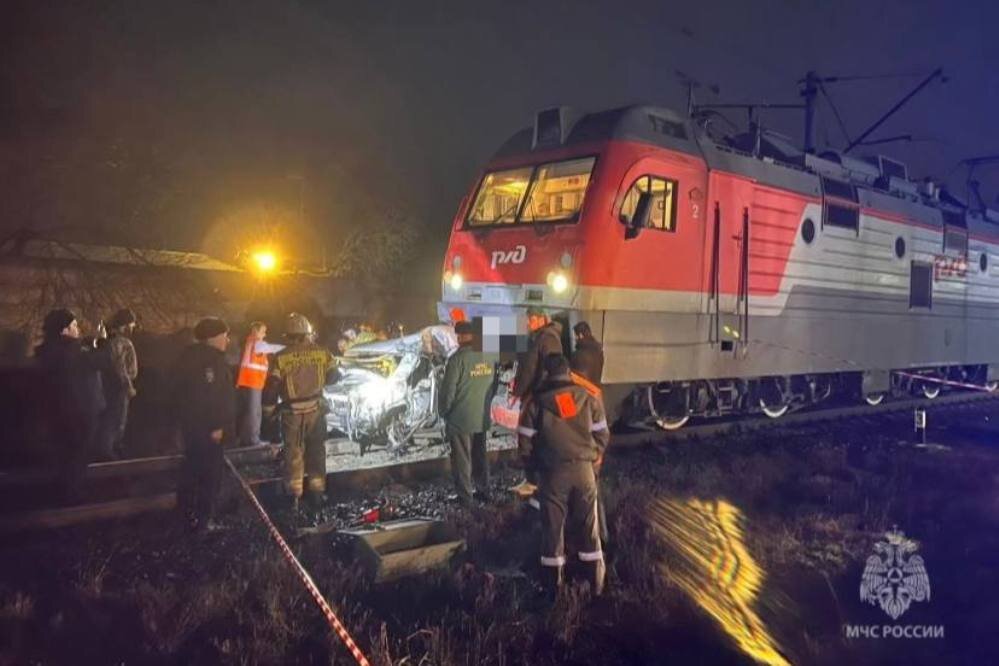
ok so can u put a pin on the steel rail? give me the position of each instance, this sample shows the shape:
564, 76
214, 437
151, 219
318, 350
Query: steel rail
797, 418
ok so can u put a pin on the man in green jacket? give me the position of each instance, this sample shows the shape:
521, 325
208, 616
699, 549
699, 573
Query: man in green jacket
464, 405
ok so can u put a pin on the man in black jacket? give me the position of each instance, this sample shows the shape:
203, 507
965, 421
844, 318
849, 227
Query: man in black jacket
564, 430
588, 359
77, 399
204, 399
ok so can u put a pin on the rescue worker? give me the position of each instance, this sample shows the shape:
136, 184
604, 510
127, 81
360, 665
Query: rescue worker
302, 368
73, 384
250, 382
204, 400
463, 403
564, 429
119, 384
545, 339
588, 359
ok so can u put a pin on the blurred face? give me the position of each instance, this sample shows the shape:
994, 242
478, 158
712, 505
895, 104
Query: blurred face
220, 341
260, 333
73, 330
534, 322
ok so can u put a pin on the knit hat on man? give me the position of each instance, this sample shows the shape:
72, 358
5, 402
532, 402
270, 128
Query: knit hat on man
209, 327
56, 321
123, 317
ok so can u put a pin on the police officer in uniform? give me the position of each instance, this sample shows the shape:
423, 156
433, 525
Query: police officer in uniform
205, 407
564, 429
302, 368
463, 403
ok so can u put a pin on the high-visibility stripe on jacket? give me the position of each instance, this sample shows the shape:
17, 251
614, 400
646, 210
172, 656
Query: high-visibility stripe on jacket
252, 366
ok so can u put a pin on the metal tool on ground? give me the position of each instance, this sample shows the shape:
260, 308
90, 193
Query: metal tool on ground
399, 548
300, 571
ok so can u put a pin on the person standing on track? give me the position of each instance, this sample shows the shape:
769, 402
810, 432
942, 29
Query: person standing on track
205, 401
250, 381
564, 429
302, 368
463, 403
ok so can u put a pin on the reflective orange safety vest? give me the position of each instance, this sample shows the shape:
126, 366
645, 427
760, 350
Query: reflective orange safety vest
252, 367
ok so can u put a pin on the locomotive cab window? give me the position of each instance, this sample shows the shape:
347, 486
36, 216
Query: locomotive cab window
551, 192
663, 204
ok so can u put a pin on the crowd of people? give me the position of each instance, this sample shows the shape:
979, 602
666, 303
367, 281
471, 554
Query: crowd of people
562, 432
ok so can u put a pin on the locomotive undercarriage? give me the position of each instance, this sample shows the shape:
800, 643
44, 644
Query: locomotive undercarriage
669, 405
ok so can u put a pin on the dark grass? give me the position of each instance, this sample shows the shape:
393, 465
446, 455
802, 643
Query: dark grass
814, 500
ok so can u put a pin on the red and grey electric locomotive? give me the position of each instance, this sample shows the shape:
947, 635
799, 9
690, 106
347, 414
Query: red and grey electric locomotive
735, 275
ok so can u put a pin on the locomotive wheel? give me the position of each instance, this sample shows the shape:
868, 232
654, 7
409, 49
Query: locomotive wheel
929, 390
774, 412
669, 409
874, 399
672, 423
773, 400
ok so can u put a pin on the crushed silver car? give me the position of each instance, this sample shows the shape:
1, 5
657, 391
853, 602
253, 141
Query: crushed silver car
386, 391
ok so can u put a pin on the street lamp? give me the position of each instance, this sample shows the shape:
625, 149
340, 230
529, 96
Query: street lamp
264, 261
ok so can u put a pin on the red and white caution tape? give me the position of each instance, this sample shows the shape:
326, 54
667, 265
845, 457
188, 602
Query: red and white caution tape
300, 571
945, 382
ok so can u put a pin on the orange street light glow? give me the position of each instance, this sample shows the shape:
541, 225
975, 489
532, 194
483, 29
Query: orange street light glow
265, 261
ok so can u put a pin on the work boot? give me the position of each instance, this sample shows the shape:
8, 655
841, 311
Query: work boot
314, 502
551, 581
596, 574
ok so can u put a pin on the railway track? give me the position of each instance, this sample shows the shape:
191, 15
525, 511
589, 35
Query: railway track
135, 477
807, 416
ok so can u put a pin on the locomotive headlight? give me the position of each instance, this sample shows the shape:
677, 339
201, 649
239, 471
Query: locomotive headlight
558, 281
455, 281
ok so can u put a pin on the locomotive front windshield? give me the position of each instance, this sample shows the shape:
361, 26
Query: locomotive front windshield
551, 192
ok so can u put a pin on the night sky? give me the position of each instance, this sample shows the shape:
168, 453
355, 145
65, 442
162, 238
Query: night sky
197, 124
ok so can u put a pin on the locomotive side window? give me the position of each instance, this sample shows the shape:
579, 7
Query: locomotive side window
842, 207
841, 216
955, 240
663, 216
921, 285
